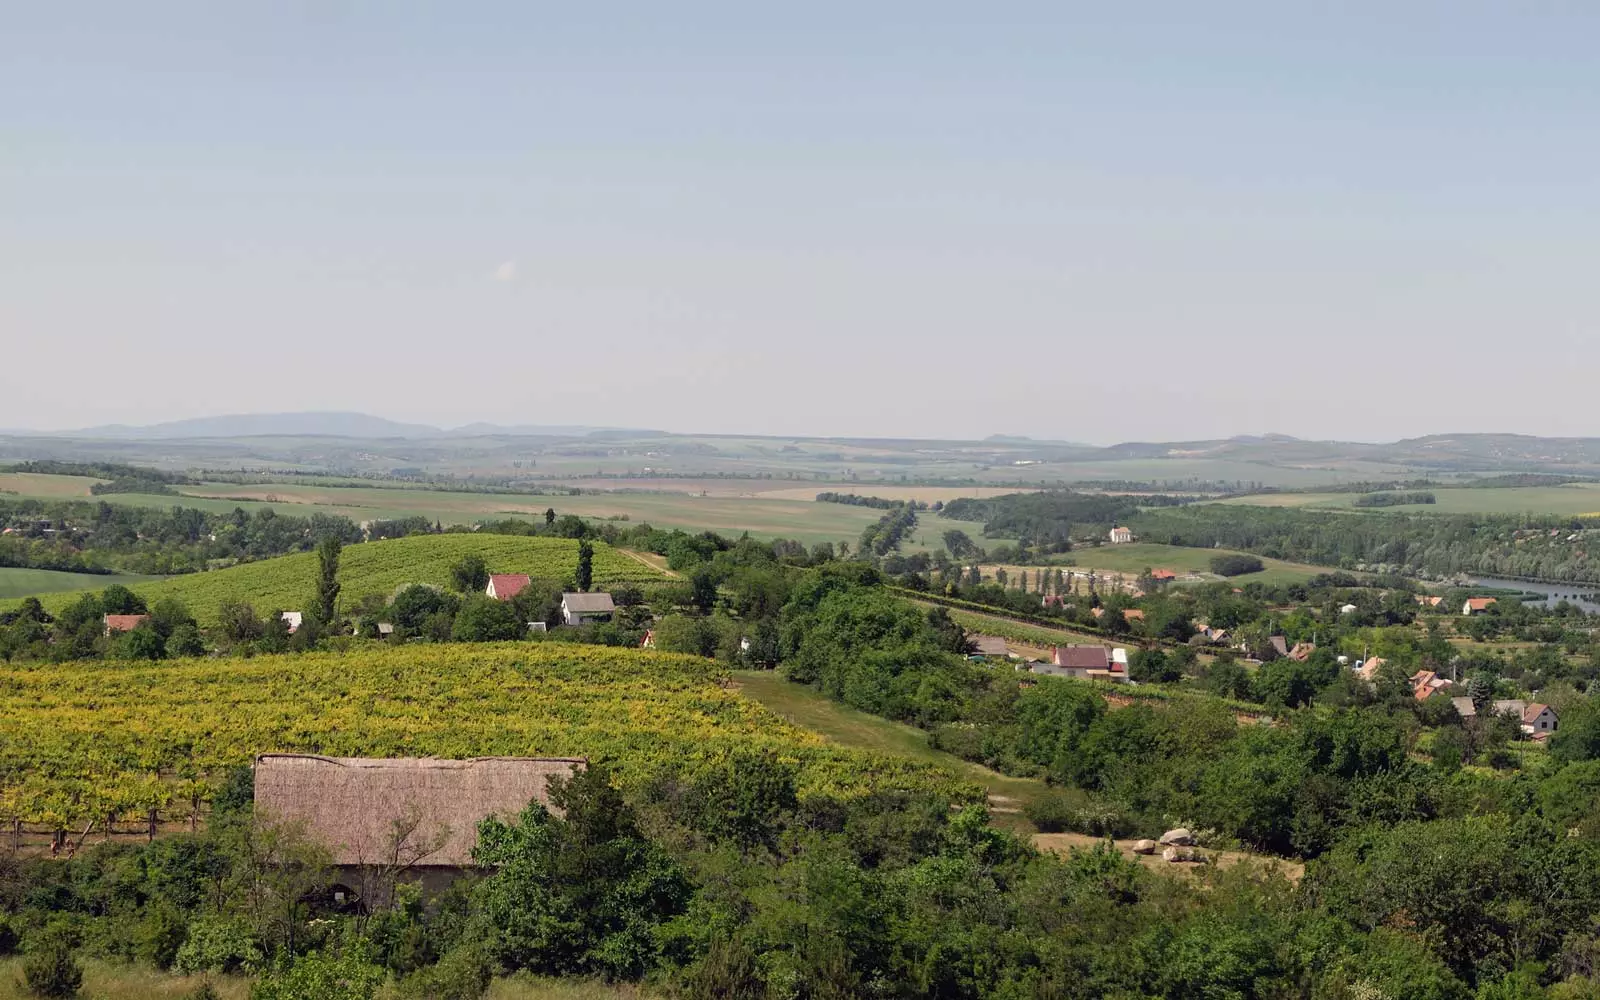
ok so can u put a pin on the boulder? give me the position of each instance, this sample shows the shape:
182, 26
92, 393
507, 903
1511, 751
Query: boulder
1174, 855
1181, 837
1144, 847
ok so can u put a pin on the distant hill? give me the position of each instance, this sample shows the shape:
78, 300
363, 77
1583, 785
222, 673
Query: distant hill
355, 425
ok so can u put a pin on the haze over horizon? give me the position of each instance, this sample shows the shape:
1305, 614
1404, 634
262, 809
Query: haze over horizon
1059, 221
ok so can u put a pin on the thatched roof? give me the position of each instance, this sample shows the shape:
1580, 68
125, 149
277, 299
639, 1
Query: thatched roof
355, 805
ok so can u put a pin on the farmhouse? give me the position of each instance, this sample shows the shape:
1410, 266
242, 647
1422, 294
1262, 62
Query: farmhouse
1163, 575
505, 586
407, 819
1302, 651
1426, 683
1477, 605
294, 619
1085, 663
584, 609
1368, 669
988, 645
1120, 535
123, 623
1535, 718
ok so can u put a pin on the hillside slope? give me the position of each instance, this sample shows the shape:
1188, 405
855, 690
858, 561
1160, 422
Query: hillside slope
288, 582
94, 738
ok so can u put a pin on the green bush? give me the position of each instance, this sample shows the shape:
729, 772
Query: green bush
321, 977
217, 945
463, 974
1063, 810
51, 971
1235, 565
160, 935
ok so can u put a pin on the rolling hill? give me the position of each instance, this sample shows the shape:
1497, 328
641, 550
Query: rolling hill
287, 582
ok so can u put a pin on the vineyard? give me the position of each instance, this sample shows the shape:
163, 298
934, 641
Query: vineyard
86, 742
286, 583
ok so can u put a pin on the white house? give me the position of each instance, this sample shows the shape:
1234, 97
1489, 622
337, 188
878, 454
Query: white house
584, 609
1476, 606
294, 619
1121, 535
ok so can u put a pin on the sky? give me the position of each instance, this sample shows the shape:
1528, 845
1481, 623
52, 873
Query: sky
1082, 221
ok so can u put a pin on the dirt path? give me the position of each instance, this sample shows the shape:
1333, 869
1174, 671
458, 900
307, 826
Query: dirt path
650, 559
1061, 843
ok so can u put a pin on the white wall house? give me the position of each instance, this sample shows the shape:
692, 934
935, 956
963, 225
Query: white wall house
585, 609
1121, 535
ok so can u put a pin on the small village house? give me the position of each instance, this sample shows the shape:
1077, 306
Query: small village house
988, 645
1085, 663
1163, 575
1535, 719
1425, 684
586, 609
1121, 535
123, 623
1302, 651
294, 619
1477, 606
505, 586
388, 822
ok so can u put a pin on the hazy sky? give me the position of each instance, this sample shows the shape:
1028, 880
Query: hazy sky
1093, 221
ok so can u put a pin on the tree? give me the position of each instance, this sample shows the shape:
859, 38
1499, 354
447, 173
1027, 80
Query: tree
578, 894
484, 619
470, 575
703, 587
238, 622
328, 579
585, 575
549, 516
960, 545
119, 600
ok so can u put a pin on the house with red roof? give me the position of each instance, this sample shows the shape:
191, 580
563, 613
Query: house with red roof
123, 623
1477, 605
505, 586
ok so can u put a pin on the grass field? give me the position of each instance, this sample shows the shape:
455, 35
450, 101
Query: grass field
30, 484
1135, 558
22, 582
288, 582
810, 709
1573, 498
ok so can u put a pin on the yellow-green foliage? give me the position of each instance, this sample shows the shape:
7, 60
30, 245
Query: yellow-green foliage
288, 583
86, 739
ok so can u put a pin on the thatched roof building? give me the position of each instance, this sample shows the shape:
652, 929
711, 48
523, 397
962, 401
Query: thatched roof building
414, 812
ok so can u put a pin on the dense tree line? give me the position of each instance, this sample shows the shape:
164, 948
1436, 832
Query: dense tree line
885, 535
1394, 499
1428, 545
877, 503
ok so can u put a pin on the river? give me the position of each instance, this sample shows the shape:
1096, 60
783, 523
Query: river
1552, 591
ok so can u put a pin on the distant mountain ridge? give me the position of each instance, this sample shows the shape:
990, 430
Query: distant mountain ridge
306, 424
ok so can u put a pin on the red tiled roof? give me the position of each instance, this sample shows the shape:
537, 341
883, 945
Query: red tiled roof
1532, 712
1480, 603
124, 623
508, 585
1163, 574
1133, 615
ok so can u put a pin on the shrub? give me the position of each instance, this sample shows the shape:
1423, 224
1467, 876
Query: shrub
217, 945
51, 971
1071, 810
205, 991
160, 935
463, 974
321, 977
1235, 565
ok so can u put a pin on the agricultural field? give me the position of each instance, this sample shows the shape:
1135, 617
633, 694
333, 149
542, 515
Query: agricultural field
803, 520
30, 484
1571, 498
1134, 559
16, 582
89, 740
287, 582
